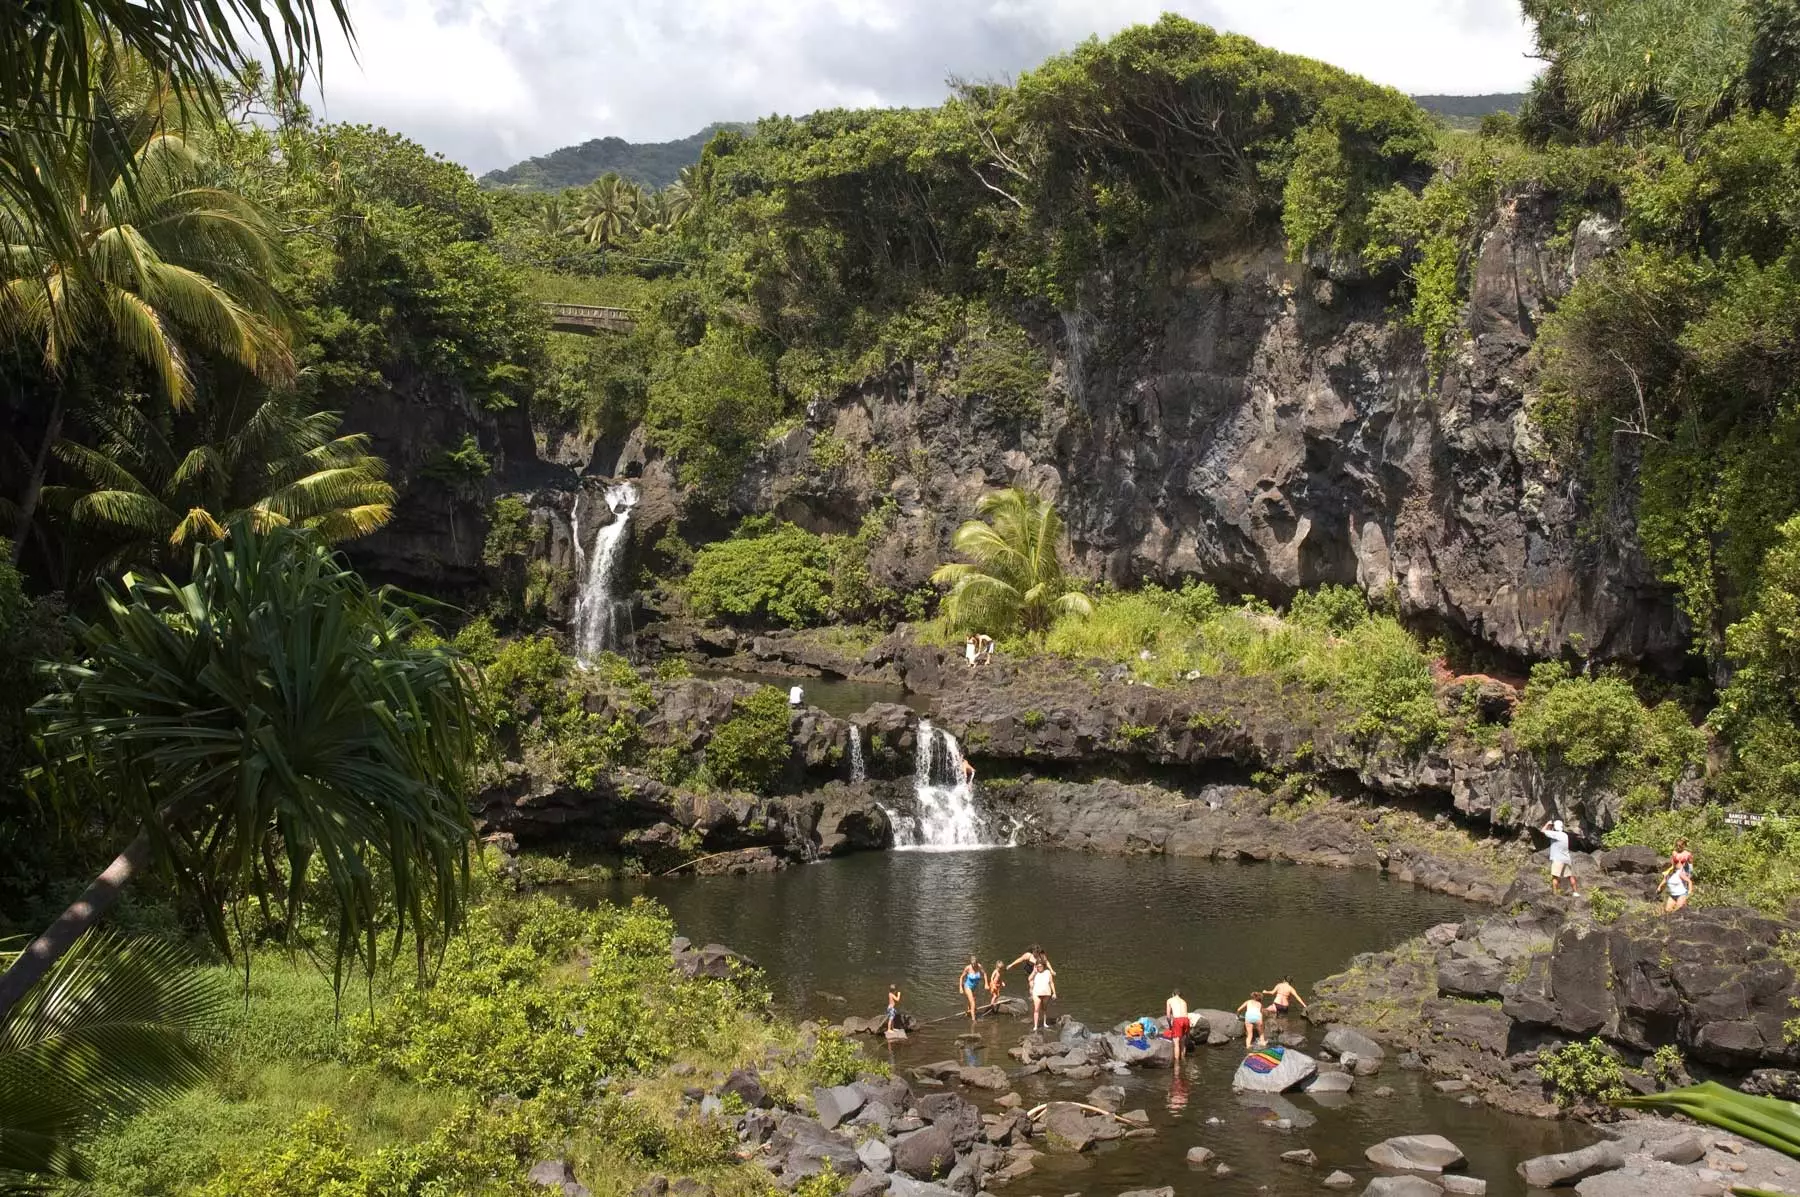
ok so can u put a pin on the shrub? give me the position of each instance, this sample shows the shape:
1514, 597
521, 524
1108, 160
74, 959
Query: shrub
1582, 1071
783, 574
509, 530
751, 748
711, 410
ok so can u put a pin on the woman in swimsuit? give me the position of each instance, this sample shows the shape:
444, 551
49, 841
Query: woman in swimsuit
972, 978
1253, 1022
1680, 887
1683, 859
1043, 982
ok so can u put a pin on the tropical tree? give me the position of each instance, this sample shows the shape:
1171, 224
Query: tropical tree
1015, 578
160, 481
271, 728
112, 1026
609, 209
163, 266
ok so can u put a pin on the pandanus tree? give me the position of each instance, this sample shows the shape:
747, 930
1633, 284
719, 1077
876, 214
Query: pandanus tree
160, 481
271, 730
1014, 578
112, 1026
163, 267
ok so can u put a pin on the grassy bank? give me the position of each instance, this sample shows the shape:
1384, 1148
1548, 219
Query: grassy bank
546, 1032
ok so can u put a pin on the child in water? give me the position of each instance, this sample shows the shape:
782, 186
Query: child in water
1253, 1021
971, 980
996, 983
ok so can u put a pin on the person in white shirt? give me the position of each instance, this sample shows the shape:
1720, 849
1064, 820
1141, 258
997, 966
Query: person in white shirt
1560, 863
796, 695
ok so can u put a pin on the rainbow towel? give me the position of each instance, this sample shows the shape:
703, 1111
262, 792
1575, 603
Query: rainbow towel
1264, 1060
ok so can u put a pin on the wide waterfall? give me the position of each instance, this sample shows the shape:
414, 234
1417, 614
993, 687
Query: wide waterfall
946, 816
858, 771
599, 614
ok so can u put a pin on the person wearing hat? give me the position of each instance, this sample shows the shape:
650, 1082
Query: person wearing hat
1560, 864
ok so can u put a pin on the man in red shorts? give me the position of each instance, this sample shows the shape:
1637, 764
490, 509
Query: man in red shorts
1177, 1010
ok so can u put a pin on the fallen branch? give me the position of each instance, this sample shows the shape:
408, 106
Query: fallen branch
1037, 1112
709, 856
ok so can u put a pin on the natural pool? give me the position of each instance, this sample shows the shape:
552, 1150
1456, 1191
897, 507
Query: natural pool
1121, 931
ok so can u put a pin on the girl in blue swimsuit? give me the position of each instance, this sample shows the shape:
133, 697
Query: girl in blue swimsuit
972, 979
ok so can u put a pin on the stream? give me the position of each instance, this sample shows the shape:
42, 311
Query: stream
1121, 931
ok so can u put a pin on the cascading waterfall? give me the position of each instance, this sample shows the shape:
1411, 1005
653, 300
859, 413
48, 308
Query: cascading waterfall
858, 772
946, 815
598, 612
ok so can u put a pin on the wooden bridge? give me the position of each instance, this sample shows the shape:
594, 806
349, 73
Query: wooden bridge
585, 318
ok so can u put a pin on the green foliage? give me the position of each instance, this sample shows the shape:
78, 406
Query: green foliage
1666, 1065
1606, 905
711, 410
1002, 366
535, 701
1599, 724
1755, 866
783, 574
1580, 1071
750, 749
1759, 709
1016, 580
836, 1060
1766, 1120
510, 533
650, 164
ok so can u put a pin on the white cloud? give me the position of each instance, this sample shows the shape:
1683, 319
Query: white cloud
488, 82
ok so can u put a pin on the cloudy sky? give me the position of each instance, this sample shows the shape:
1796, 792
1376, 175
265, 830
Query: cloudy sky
488, 82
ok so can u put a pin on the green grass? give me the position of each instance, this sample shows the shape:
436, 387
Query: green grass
604, 291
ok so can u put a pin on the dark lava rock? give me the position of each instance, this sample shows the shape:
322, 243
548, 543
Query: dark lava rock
956, 1116
925, 1154
747, 1087
837, 1104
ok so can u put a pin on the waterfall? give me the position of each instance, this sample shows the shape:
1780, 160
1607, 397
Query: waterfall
858, 772
946, 815
598, 612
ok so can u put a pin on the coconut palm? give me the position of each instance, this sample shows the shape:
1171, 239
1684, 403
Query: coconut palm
160, 481
271, 728
1016, 577
609, 209
163, 266
114, 1025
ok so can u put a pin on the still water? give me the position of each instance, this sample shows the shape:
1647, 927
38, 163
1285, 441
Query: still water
1121, 932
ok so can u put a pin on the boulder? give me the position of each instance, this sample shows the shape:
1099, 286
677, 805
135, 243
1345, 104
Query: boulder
1067, 1128
1567, 1167
1653, 1179
1402, 1186
1330, 1082
875, 1155
1107, 1097
1199, 1156
990, 1077
1338, 1180
953, 1115
1415, 1153
1304, 1156
1272, 1070
1220, 1026
891, 1091
1164, 1191
714, 960
875, 1114
1466, 1186
901, 1185
1342, 1040
924, 1154
747, 1087
1682, 1149
810, 1157
837, 1104
1631, 858
551, 1174
868, 1184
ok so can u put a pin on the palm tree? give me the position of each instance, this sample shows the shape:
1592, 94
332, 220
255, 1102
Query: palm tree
553, 214
163, 481
114, 1025
163, 265
609, 209
271, 722
1016, 579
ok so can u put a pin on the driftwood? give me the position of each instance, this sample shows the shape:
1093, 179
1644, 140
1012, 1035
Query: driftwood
689, 863
1037, 1112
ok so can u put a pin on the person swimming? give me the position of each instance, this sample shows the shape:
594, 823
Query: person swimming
972, 979
1253, 1021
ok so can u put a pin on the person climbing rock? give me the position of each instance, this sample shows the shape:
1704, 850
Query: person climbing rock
968, 772
971, 980
1282, 996
1560, 863
1679, 886
970, 650
984, 648
1252, 1011
1683, 859
1176, 1008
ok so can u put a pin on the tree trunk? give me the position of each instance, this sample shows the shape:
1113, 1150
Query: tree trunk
95, 901
35, 487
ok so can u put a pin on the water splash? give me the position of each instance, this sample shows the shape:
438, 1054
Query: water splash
599, 614
946, 814
858, 772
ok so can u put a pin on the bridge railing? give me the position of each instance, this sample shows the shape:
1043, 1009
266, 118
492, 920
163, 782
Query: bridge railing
578, 311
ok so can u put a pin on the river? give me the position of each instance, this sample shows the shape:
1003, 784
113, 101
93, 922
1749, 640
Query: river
1122, 931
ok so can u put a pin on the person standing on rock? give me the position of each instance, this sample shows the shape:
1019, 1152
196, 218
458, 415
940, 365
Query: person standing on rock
1176, 1009
970, 651
971, 980
1683, 859
893, 1007
1253, 1021
1042, 984
1560, 864
1281, 997
1676, 881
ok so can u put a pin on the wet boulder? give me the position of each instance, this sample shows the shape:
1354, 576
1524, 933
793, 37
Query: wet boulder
1068, 1128
1330, 1082
924, 1154
1402, 1186
954, 1115
714, 960
1348, 1040
1415, 1153
1273, 1070
990, 1077
1219, 1026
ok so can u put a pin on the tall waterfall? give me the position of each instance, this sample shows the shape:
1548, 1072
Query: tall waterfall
858, 771
946, 815
598, 612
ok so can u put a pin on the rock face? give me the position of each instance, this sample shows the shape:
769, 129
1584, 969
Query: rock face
1268, 428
